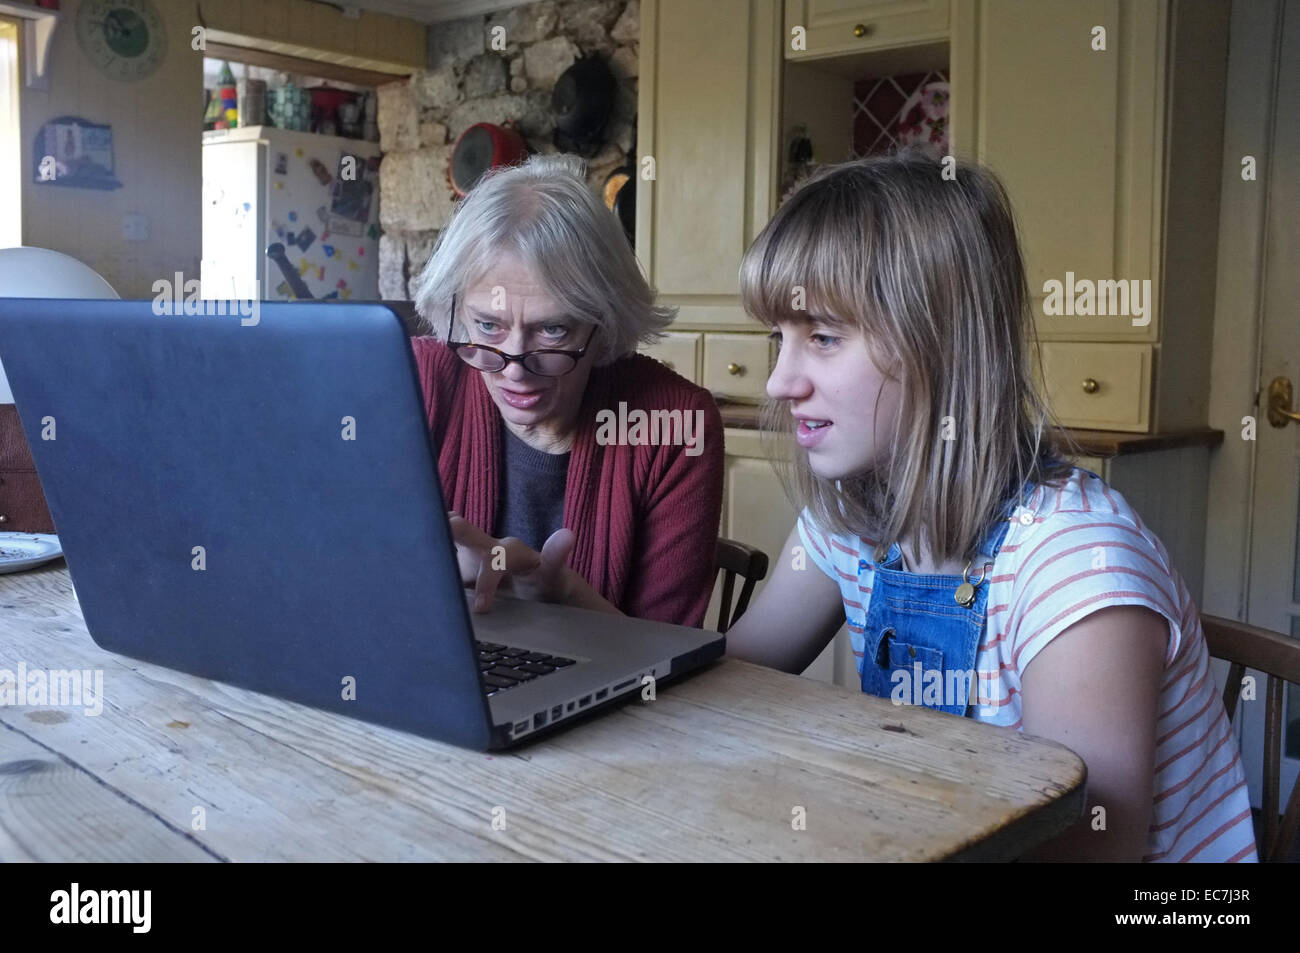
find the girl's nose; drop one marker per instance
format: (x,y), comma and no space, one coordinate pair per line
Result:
(787,381)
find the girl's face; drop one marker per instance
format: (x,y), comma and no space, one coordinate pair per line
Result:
(846,407)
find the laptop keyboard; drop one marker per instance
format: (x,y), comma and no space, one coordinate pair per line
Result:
(504,666)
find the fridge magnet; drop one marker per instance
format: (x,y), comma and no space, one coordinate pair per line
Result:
(352,194)
(353,266)
(328,250)
(320,272)
(342,284)
(322,174)
(347,292)
(293,216)
(374,231)
(361,249)
(74,153)
(279,185)
(331,296)
(282,163)
(298,153)
(305,238)
(303,266)
(344,227)
(323,214)
(284,290)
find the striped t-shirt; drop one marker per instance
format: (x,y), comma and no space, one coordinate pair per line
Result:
(1074,548)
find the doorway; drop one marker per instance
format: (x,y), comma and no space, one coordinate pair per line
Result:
(11,183)
(1253,529)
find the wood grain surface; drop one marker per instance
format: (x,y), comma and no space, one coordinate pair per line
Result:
(720,766)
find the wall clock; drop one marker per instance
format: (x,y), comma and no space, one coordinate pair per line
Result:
(123,38)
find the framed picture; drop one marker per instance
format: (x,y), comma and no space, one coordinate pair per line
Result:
(74,153)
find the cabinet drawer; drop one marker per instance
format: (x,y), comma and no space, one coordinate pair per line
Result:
(1098,386)
(849,26)
(737,365)
(680,352)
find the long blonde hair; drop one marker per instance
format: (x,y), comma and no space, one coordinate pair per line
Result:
(929,269)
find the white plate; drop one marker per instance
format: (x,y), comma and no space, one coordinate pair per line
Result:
(20,551)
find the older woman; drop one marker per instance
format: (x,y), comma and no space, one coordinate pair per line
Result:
(576,469)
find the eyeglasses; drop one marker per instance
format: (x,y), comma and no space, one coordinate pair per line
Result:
(544,362)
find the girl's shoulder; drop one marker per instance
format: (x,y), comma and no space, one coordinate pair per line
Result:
(1074,547)
(1078,501)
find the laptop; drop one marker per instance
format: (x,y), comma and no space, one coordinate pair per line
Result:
(258,503)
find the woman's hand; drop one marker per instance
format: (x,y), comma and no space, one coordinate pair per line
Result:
(487,562)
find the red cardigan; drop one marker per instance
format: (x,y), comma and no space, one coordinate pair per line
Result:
(645,517)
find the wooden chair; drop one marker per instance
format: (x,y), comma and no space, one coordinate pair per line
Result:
(1247,646)
(736,559)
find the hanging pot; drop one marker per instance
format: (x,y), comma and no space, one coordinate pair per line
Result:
(582,100)
(481,147)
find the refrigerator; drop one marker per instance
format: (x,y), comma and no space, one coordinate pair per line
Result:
(313,200)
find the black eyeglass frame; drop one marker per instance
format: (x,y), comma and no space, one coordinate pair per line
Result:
(509,359)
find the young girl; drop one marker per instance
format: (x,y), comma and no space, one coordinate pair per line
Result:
(979,573)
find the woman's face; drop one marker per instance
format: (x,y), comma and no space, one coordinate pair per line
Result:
(846,407)
(511,311)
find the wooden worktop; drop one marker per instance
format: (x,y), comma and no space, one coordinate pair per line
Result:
(1092,443)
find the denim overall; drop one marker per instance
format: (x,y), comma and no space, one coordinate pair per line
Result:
(915,626)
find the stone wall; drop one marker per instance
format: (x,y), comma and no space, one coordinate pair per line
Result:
(469,82)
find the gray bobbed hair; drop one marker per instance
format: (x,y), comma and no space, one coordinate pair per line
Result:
(544,212)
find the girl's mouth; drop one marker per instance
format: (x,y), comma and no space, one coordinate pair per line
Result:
(811,432)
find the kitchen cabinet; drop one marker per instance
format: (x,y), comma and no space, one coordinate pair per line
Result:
(1112,158)
(853,26)
(708,118)
(755,510)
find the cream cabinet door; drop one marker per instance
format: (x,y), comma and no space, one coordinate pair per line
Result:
(833,27)
(709,95)
(679,352)
(1074,133)
(755,511)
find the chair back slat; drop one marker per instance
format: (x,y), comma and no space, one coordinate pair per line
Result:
(1232,688)
(735,559)
(1278,656)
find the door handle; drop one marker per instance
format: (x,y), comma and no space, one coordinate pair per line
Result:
(1279,403)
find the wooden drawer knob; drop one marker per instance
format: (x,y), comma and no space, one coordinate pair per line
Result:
(1090,385)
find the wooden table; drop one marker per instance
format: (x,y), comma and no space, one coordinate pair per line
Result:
(720,767)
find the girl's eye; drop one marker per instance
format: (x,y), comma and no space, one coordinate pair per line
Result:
(824,341)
